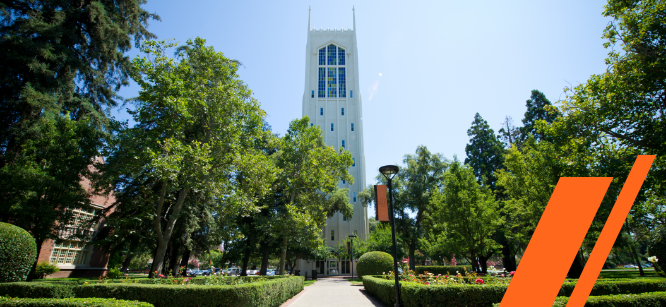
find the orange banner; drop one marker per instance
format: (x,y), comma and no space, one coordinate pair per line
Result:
(380,201)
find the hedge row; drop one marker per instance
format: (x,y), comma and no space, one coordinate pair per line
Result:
(263,293)
(443,269)
(653,299)
(415,294)
(69,302)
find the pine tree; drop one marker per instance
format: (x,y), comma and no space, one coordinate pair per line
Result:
(537,109)
(484,152)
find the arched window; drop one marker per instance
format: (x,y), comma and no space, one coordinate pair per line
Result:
(341,56)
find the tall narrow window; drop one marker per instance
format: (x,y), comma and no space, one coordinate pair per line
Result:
(354,161)
(344,181)
(352,127)
(332,55)
(354,196)
(311,124)
(332,235)
(322,56)
(343,143)
(341,56)
(351,94)
(312,96)
(332,83)
(331,126)
(321,111)
(356,232)
(342,111)
(342,81)
(321,90)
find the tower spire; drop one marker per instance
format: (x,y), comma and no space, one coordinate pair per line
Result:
(354,13)
(309,10)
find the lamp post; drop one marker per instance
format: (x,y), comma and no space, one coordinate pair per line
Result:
(389,171)
(351,252)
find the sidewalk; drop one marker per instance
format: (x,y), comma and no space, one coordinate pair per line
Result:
(333,292)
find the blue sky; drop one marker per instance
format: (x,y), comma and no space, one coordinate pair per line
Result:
(440,62)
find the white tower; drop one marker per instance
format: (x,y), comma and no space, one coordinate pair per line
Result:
(332,101)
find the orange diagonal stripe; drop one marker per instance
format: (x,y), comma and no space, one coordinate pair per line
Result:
(556,240)
(611,230)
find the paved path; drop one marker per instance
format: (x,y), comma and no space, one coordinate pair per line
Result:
(333,292)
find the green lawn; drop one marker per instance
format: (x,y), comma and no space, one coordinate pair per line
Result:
(308,282)
(628,273)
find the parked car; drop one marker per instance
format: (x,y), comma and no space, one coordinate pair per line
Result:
(630,266)
(251,272)
(270,272)
(233,271)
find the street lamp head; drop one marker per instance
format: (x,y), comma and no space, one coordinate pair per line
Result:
(389,171)
(352,236)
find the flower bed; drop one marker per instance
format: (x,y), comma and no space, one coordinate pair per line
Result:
(266,292)
(466,292)
(443,269)
(69,302)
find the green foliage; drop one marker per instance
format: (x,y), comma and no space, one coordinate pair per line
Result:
(653,299)
(374,263)
(484,152)
(114,273)
(18,252)
(657,246)
(271,292)
(443,269)
(538,109)
(381,240)
(415,294)
(46,268)
(69,302)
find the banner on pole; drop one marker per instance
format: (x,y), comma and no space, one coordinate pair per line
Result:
(381,209)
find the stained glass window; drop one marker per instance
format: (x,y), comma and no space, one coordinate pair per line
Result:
(342,111)
(354,161)
(312,94)
(331,126)
(342,82)
(322,56)
(341,56)
(351,94)
(343,143)
(352,127)
(321,111)
(322,83)
(332,55)
(354,196)
(332,83)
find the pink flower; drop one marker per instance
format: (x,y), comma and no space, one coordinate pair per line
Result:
(512,272)
(427,283)
(502,275)
(478,280)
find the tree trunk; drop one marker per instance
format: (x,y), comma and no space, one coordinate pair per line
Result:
(636,258)
(508,258)
(483,262)
(33,270)
(165,260)
(126,262)
(283,255)
(293,265)
(412,249)
(164,237)
(246,258)
(264,260)
(576,266)
(475,264)
(174,260)
(186,258)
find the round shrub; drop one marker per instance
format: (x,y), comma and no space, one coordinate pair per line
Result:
(374,263)
(17,253)
(46,268)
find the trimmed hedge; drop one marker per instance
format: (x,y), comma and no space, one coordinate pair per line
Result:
(653,299)
(415,294)
(69,302)
(272,292)
(18,252)
(374,263)
(442,269)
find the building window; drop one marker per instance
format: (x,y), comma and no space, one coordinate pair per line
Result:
(341,56)
(342,81)
(331,126)
(311,124)
(331,55)
(344,218)
(352,127)
(321,90)
(312,96)
(332,83)
(342,111)
(354,196)
(344,181)
(322,56)
(351,94)
(343,143)
(70,252)
(332,235)
(321,111)
(356,232)
(354,160)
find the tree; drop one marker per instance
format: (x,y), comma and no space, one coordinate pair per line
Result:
(467,216)
(509,134)
(195,131)
(484,152)
(62,64)
(538,108)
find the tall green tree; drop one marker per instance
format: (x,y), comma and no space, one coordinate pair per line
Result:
(484,152)
(538,108)
(195,131)
(466,216)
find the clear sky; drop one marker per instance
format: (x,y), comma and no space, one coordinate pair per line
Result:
(425,67)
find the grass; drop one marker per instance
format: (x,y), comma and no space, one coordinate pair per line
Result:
(308,282)
(355,281)
(628,273)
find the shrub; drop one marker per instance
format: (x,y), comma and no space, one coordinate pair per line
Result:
(443,269)
(415,294)
(266,293)
(114,273)
(17,253)
(374,263)
(69,302)
(46,268)
(653,299)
